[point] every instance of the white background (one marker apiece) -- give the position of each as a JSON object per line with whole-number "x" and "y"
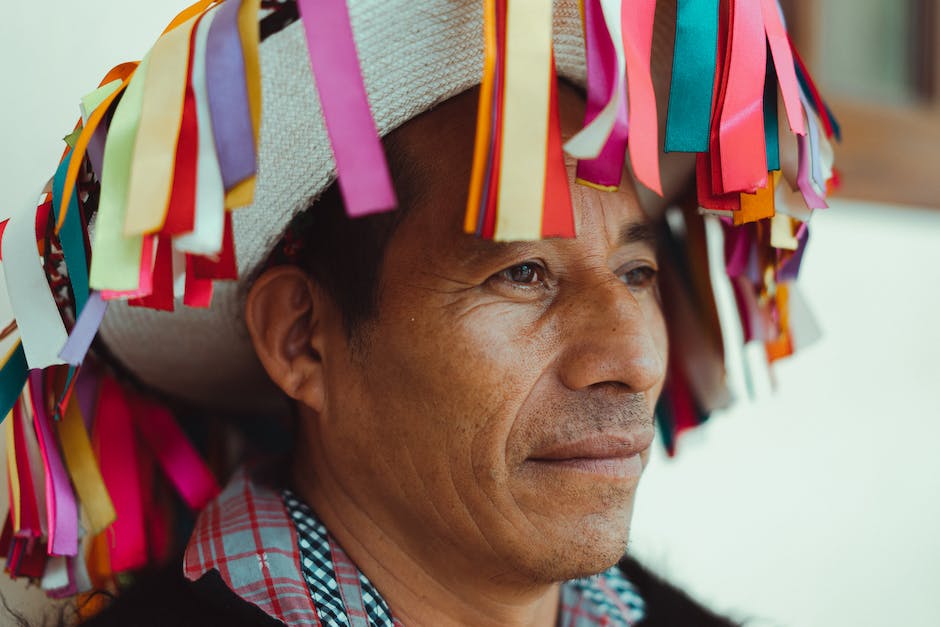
{"x": 816, "y": 505}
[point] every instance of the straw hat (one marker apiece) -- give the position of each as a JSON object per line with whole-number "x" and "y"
{"x": 413, "y": 55}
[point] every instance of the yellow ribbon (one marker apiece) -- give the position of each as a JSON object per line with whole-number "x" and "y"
{"x": 154, "y": 157}
{"x": 13, "y": 476}
{"x": 525, "y": 120}
{"x": 83, "y": 468}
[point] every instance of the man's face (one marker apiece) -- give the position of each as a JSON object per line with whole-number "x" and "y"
{"x": 496, "y": 414}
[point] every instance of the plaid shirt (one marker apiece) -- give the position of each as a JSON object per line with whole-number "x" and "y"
{"x": 273, "y": 552}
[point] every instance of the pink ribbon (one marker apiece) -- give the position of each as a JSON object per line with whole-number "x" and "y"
{"x": 117, "y": 451}
{"x": 176, "y": 455}
{"x": 30, "y": 527}
{"x": 361, "y": 170}
{"x": 607, "y": 168}
{"x": 637, "y": 23}
{"x": 741, "y": 134}
{"x": 783, "y": 63}
{"x": 61, "y": 509}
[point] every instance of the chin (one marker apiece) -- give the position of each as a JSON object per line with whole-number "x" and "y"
{"x": 594, "y": 544}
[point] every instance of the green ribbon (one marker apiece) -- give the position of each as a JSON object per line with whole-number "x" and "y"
{"x": 72, "y": 237}
{"x": 12, "y": 379}
{"x": 693, "y": 76}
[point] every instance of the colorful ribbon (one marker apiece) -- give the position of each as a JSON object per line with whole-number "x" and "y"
{"x": 206, "y": 236}
{"x": 178, "y": 460}
{"x": 228, "y": 97}
{"x": 589, "y": 141}
{"x": 525, "y": 123}
{"x": 693, "y": 76}
{"x": 637, "y": 22}
{"x": 741, "y": 135}
{"x": 37, "y": 315}
{"x": 606, "y": 170}
{"x": 116, "y": 448}
{"x": 783, "y": 62}
{"x": 123, "y": 73}
{"x": 61, "y": 508}
{"x": 84, "y": 471}
{"x": 12, "y": 378}
{"x": 72, "y": 236}
{"x": 84, "y": 331}
{"x": 154, "y": 155}
{"x": 361, "y": 170}
{"x": 115, "y": 265}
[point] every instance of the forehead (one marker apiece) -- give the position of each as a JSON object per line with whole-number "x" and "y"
{"x": 432, "y": 157}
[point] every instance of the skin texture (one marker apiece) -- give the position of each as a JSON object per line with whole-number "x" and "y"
{"x": 445, "y": 444}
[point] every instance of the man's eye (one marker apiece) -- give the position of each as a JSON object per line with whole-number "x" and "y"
{"x": 640, "y": 277}
{"x": 528, "y": 273}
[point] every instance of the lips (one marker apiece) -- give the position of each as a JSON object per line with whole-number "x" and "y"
{"x": 614, "y": 455}
{"x": 598, "y": 446}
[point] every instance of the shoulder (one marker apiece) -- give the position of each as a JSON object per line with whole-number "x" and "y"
{"x": 665, "y": 604}
{"x": 166, "y": 597}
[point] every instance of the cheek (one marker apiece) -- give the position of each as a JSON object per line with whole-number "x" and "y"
{"x": 454, "y": 382}
{"x": 656, "y": 323}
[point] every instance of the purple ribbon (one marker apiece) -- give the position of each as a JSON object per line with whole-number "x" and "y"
{"x": 790, "y": 270}
{"x": 95, "y": 149}
{"x": 85, "y": 330}
{"x": 227, "y": 91}
{"x": 61, "y": 509}
{"x": 86, "y": 393}
{"x": 804, "y": 151}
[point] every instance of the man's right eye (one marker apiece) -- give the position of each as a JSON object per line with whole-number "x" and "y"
{"x": 528, "y": 273}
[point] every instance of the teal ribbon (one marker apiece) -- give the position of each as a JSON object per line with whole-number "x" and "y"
{"x": 72, "y": 237}
{"x": 693, "y": 76}
{"x": 12, "y": 379}
{"x": 771, "y": 121}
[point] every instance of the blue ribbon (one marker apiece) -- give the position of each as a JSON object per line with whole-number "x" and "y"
{"x": 693, "y": 76}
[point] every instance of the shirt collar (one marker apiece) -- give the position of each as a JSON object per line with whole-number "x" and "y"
{"x": 272, "y": 551}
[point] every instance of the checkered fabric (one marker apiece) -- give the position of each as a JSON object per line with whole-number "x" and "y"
{"x": 342, "y": 594}
{"x": 247, "y": 536}
{"x": 272, "y": 550}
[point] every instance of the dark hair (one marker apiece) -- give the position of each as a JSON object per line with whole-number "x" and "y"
{"x": 345, "y": 254}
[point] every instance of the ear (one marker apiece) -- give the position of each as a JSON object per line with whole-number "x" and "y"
{"x": 285, "y": 320}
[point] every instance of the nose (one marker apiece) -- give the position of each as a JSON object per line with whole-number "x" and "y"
{"x": 613, "y": 336}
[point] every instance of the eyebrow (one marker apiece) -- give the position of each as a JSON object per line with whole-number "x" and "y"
{"x": 637, "y": 232}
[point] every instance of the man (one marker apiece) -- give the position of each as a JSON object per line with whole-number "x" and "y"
{"x": 467, "y": 435}
{"x": 472, "y": 416}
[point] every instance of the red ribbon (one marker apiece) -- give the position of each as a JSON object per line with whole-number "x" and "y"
{"x": 741, "y": 134}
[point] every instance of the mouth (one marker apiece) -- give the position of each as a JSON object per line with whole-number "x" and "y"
{"x": 615, "y": 456}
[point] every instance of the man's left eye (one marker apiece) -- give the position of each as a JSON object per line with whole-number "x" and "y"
{"x": 639, "y": 277}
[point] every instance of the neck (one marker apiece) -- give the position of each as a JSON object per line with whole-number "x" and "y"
{"x": 424, "y": 584}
